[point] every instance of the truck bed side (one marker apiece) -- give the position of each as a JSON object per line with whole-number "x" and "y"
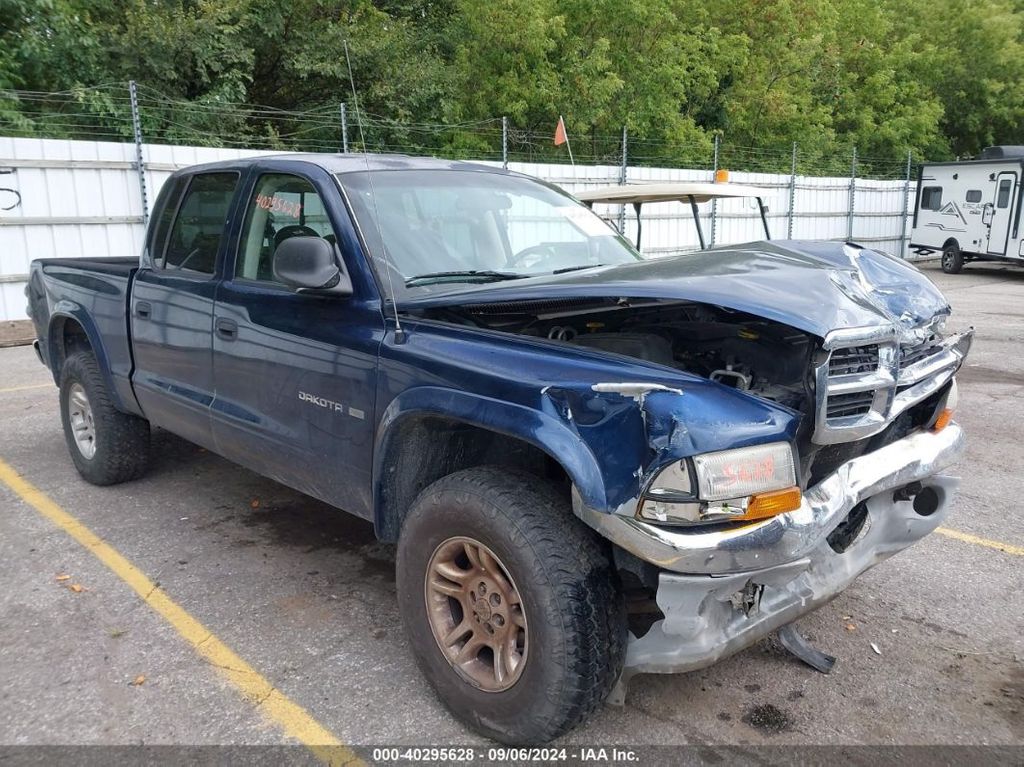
{"x": 79, "y": 303}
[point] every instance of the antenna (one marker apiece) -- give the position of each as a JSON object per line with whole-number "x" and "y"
{"x": 399, "y": 332}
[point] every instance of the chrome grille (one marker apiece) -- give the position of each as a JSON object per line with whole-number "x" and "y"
{"x": 869, "y": 378}
{"x": 854, "y": 359}
{"x": 852, "y": 403}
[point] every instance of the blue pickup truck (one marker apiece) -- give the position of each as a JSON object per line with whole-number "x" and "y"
{"x": 593, "y": 465}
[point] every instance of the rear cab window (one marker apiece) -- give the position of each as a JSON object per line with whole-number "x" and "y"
{"x": 191, "y": 243}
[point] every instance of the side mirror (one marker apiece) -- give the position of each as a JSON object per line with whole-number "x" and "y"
{"x": 310, "y": 264}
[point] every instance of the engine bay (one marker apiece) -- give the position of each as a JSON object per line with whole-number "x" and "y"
{"x": 752, "y": 354}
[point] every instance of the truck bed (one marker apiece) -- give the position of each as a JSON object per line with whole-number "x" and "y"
{"x": 85, "y": 295}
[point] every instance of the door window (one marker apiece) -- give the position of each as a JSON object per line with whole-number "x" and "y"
{"x": 282, "y": 206}
{"x": 195, "y": 237}
{"x": 1003, "y": 198}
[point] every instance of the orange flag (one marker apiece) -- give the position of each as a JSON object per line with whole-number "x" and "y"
{"x": 560, "y": 137}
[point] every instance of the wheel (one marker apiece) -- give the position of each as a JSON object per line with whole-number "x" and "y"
{"x": 952, "y": 259}
{"x": 106, "y": 445}
{"x": 513, "y": 611}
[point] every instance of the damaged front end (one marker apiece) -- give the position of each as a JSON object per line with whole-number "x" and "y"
{"x": 800, "y": 441}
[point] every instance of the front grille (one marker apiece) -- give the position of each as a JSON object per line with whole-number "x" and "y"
{"x": 852, "y": 360}
{"x": 864, "y": 386}
{"x": 851, "y": 404}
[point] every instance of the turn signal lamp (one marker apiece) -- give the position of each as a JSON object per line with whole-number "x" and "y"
{"x": 764, "y": 505}
{"x": 946, "y": 415}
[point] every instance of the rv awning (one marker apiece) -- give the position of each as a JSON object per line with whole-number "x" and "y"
{"x": 631, "y": 194}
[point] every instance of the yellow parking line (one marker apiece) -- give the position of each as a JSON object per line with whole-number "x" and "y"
{"x": 275, "y": 705}
{"x": 27, "y": 388}
{"x": 1017, "y": 551}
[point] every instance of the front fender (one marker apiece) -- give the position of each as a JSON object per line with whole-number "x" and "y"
{"x": 537, "y": 428}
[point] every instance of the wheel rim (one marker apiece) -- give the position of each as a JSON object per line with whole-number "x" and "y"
{"x": 947, "y": 259}
{"x": 476, "y": 614}
{"x": 80, "y": 416}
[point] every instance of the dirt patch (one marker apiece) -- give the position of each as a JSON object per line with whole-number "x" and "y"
{"x": 768, "y": 718}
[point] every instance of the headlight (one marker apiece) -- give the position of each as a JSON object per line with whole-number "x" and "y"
{"x": 731, "y": 485}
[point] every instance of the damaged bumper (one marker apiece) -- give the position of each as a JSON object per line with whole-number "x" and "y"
{"x": 721, "y": 591}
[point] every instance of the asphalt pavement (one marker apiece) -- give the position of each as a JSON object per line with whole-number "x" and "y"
{"x": 930, "y": 644}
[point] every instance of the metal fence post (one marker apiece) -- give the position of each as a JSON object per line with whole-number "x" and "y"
{"x": 504, "y": 142}
{"x": 714, "y": 203}
{"x": 853, "y": 195}
{"x": 622, "y": 177}
{"x": 139, "y": 163}
{"x": 344, "y": 129}
{"x": 906, "y": 209}
{"x": 792, "y": 195}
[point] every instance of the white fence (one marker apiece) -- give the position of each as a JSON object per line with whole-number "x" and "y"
{"x": 82, "y": 198}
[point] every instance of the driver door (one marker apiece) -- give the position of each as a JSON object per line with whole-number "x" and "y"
{"x": 295, "y": 374}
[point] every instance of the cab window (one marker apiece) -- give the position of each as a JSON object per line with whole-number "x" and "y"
{"x": 194, "y": 239}
{"x": 281, "y": 206}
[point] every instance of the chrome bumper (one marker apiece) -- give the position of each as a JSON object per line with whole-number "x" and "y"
{"x": 787, "y": 537}
{"x": 743, "y": 584}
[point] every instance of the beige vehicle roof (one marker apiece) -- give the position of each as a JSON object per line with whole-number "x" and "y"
{"x": 669, "y": 192}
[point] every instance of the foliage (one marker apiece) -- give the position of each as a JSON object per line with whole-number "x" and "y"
{"x": 939, "y": 78}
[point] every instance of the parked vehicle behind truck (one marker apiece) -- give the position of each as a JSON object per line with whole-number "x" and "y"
{"x": 970, "y": 210}
{"x": 593, "y": 465}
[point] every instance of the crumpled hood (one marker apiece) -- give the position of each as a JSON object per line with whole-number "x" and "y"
{"x": 816, "y": 287}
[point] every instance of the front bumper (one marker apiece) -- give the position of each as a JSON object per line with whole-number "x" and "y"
{"x": 786, "y": 562}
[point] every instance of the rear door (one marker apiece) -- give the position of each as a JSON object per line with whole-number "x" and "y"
{"x": 172, "y": 303}
{"x": 295, "y": 374}
{"x": 1002, "y": 212}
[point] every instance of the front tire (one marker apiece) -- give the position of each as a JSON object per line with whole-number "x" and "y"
{"x": 106, "y": 445}
{"x": 952, "y": 259}
{"x": 511, "y": 605}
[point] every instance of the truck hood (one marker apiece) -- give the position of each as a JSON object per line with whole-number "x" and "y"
{"x": 816, "y": 287}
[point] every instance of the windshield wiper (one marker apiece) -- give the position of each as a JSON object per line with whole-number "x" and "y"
{"x": 576, "y": 268}
{"x": 471, "y": 275}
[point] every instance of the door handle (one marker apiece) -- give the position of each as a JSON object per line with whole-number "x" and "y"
{"x": 143, "y": 309}
{"x": 226, "y": 328}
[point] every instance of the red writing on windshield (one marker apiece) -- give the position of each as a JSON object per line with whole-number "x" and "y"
{"x": 277, "y": 204}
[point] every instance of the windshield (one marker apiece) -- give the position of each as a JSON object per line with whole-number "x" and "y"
{"x": 450, "y": 230}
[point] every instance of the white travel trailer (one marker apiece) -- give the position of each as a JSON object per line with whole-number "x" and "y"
{"x": 970, "y": 210}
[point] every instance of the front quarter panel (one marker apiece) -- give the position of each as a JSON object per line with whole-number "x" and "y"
{"x": 543, "y": 393}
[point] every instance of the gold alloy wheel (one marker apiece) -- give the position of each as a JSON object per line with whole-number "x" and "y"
{"x": 476, "y": 614}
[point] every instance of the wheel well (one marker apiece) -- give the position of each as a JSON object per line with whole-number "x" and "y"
{"x": 68, "y": 337}
{"x": 421, "y": 450}
{"x": 951, "y": 241}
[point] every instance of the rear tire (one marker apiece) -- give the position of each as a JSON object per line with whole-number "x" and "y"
{"x": 570, "y": 646}
{"x": 952, "y": 259}
{"x": 106, "y": 445}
